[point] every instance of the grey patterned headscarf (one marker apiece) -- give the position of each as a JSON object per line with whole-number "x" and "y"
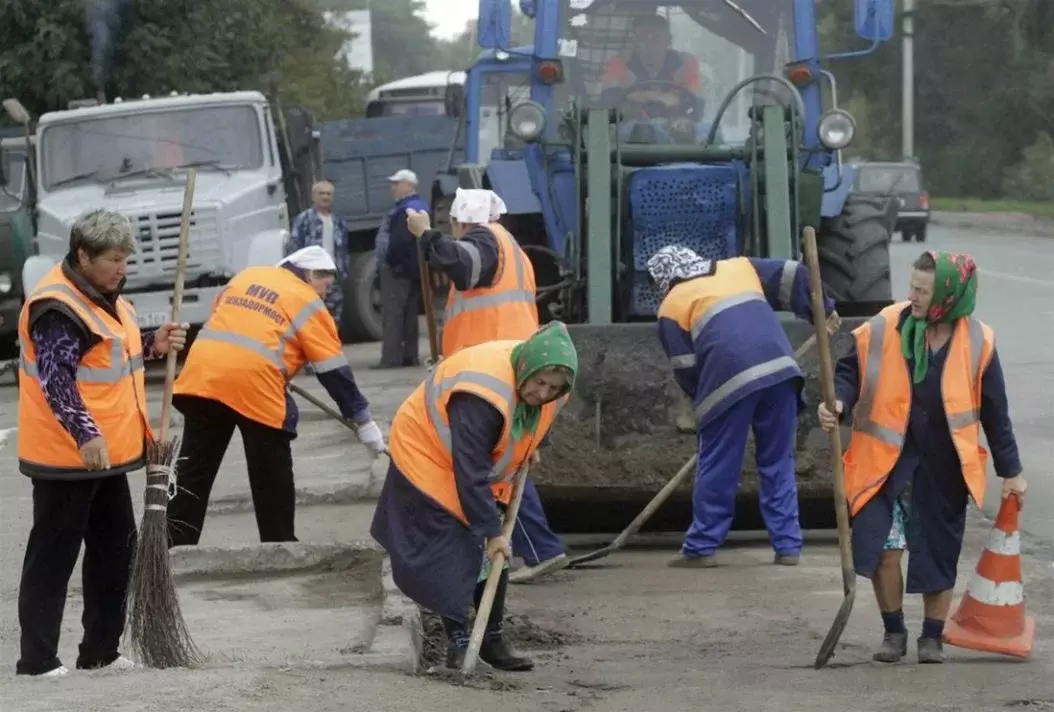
{"x": 675, "y": 263}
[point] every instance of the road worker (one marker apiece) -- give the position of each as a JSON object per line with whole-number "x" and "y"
{"x": 82, "y": 426}
{"x": 267, "y": 323}
{"x": 492, "y": 297}
{"x": 915, "y": 456}
{"x": 731, "y": 356}
{"x": 456, "y": 444}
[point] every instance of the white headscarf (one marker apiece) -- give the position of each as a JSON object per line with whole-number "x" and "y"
{"x": 313, "y": 257}
{"x": 477, "y": 207}
{"x": 676, "y": 263}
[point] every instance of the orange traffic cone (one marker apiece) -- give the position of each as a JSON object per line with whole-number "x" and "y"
{"x": 991, "y": 616}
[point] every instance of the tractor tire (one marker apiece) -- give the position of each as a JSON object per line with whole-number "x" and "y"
{"x": 854, "y": 255}
{"x": 361, "y": 318}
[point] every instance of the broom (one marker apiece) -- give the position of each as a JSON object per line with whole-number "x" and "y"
{"x": 159, "y": 635}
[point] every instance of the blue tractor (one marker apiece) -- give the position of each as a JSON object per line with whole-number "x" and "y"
{"x": 630, "y": 125}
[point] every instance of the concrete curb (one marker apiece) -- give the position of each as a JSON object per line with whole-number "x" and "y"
{"x": 305, "y": 496}
{"x": 1018, "y": 223}
{"x": 398, "y": 639}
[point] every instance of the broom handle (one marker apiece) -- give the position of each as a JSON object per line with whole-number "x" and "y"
{"x": 486, "y": 602}
{"x": 177, "y": 299}
{"x": 428, "y": 300}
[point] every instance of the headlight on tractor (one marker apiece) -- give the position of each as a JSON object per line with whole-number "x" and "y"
{"x": 837, "y": 129}
{"x": 5, "y": 282}
{"x": 527, "y": 121}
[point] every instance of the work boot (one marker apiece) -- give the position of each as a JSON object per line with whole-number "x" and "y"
{"x": 500, "y": 655}
{"x": 455, "y": 654}
{"x": 542, "y": 567}
{"x": 931, "y": 651}
{"x": 894, "y": 647}
{"x": 692, "y": 562}
{"x": 786, "y": 559}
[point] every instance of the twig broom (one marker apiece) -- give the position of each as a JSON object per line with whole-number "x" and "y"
{"x": 159, "y": 635}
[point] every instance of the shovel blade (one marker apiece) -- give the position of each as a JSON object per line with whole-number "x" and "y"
{"x": 835, "y": 633}
{"x": 590, "y": 556}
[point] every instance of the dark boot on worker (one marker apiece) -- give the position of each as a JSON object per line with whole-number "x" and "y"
{"x": 786, "y": 559}
{"x": 692, "y": 562}
{"x": 931, "y": 651}
{"x": 495, "y": 651}
{"x": 457, "y": 643}
{"x": 893, "y": 648}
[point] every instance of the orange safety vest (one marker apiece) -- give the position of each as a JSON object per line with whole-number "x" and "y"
{"x": 421, "y": 444}
{"x": 110, "y": 380}
{"x": 504, "y": 310}
{"x": 880, "y": 418}
{"x": 617, "y": 73}
{"x": 266, "y": 325}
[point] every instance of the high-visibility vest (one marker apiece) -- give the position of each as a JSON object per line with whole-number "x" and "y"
{"x": 880, "y": 418}
{"x": 688, "y": 73}
{"x": 504, "y": 310}
{"x": 110, "y": 380}
{"x": 420, "y": 439}
{"x": 266, "y": 325}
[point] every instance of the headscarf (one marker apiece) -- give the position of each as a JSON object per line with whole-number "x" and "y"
{"x": 477, "y": 207}
{"x": 675, "y": 263}
{"x": 312, "y": 257}
{"x": 954, "y": 297}
{"x": 549, "y": 346}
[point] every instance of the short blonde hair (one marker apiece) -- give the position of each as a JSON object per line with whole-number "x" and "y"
{"x": 100, "y": 231}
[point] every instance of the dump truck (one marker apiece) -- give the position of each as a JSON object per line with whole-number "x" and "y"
{"x": 132, "y": 155}
{"x": 598, "y": 178}
{"x": 16, "y": 236}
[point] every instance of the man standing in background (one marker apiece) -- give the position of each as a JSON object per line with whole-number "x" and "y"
{"x": 400, "y": 275}
{"x": 319, "y": 226}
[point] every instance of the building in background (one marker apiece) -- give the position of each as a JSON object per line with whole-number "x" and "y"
{"x": 358, "y": 50}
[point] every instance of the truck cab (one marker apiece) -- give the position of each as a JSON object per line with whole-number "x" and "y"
{"x": 16, "y": 238}
{"x": 133, "y": 156}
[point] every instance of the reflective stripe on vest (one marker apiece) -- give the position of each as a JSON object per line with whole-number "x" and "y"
{"x": 121, "y": 365}
{"x": 863, "y": 420}
{"x": 462, "y": 303}
{"x": 276, "y": 356}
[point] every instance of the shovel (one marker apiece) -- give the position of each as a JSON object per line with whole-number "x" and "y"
{"x": 659, "y": 499}
{"x": 331, "y": 412}
{"x": 486, "y": 602}
{"x": 841, "y": 505}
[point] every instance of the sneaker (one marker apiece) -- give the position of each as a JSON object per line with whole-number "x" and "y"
{"x": 894, "y": 647}
{"x": 692, "y": 562}
{"x": 57, "y": 672}
{"x": 786, "y": 559}
{"x": 526, "y": 573}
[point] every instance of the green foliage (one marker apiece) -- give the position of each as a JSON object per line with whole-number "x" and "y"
{"x": 1033, "y": 177}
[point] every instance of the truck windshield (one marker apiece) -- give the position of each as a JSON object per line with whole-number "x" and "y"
{"x": 108, "y": 147}
{"x": 661, "y": 62}
{"x": 11, "y": 195}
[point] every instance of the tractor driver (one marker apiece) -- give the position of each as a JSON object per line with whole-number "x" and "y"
{"x": 650, "y": 64}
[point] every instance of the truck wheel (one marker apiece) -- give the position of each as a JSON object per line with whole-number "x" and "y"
{"x": 361, "y": 318}
{"x": 854, "y": 255}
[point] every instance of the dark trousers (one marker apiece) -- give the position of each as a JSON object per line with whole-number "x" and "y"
{"x": 99, "y": 513}
{"x": 207, "y": 431}
{"x": 400, "y": 299}
{"x": 458, "y": 634}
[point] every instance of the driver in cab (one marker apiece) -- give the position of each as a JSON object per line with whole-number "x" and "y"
{"x": 651, "y": 61}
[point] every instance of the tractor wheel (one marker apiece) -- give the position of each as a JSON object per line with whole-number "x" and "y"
{"x": 361, "y": 319}
{"x": 854, "y": 255}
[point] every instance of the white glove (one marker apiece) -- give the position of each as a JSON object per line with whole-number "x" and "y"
{"x": 371, "y": 437}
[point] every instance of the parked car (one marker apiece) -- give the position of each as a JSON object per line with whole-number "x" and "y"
{"x": 902, "y": 181}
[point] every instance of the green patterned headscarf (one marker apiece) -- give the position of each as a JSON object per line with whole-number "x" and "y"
{"x": 954, "y": 297}
{"x": 549, "y": 346}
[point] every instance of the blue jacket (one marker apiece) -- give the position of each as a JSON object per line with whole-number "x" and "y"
{"x": 722, "y": 335}
{"x": 401, "y": 253}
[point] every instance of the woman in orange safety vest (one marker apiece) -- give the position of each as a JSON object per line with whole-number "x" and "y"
{"x": 921, "y": 380}
{"x": 456, "y": 444}
{"x": 82, "y": 426}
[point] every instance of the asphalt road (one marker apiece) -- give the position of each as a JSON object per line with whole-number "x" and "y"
{"x": 1016, "y": 298}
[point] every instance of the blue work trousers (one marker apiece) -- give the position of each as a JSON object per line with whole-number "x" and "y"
{"x": 532, "y": 538}
{"x": 773, "y": 415}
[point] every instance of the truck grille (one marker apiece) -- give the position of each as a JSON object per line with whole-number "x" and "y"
{"x": 157, "y": 246}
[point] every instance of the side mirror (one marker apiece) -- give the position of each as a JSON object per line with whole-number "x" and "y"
{"x": 454, "y": 100}
{"x": 873, "y": 19}
{"x": 494, "y": 27}
{"x": 16, "y": 111}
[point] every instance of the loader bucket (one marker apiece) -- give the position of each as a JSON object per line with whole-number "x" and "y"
{"x": 628, "y": 429}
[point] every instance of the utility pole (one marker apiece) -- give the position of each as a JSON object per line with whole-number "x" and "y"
{"x": 908, "y": 81}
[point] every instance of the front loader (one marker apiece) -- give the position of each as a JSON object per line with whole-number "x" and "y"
{"x": 598, "y": 178}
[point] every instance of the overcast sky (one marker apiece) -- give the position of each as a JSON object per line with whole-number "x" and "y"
{"x": 449, "y": 16}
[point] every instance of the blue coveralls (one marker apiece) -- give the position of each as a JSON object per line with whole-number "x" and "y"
{"x": 734, "y": 360}
{"x": 532, "y": 538}
{"x": 928, "y": 475}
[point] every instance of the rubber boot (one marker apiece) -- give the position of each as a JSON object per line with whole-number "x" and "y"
{"x": 457, "y": 643}
{"x": 894, "y": 647}
{"x": 931, "y": 651}
{"x": 495, "y": 651}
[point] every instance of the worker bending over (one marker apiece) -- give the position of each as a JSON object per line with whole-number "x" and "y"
{"x": 456, "y": 445}
{"x": 731, "y": 356}
{"x": 493, "y": 297}
{"x": 267, "y": 323}
{"x": 921, "y": 379}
